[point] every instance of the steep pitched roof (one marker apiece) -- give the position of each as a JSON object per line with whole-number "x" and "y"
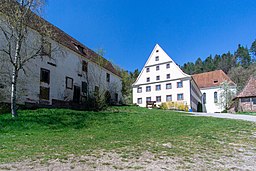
{"x": 250, "y": 89}
{"x": 163, "y": 58}
{"x": 212, "y": 79}
{"x": 39, "y": 24}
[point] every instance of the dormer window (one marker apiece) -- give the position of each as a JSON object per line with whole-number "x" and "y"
{"x": 80, "y": 48}
{"x": 157, "y": 58}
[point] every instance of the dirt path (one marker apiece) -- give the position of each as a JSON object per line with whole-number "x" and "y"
{"x": 239, "y": 159}
{"x": 228, "y": 116}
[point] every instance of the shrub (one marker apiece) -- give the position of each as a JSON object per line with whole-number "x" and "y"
{"x": 174, "y": 105}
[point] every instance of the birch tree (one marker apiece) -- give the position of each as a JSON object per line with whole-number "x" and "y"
{"x": 17, "y": 47}
{"x": 226, "y": 95}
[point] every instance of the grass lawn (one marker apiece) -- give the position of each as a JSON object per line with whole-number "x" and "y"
{"x": 247, "y": 113}
{"x": 57, "y": 133}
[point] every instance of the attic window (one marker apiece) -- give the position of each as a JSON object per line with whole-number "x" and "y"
{"x": 80, "y": 48}
{"x": 157, "y": 51}
{"x": 215, "y": 81}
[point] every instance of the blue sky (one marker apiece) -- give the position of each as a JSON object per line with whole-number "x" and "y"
{"x": 129, "y": 29}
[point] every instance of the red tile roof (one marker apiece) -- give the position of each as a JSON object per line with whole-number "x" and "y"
{"x": 39, "y": 24}
{"x": 249, "y": 90}
{"x": 211, "y": 79}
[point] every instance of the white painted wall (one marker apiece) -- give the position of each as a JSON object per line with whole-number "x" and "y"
{"x": 176, "y": 75}
{"x": 68, "y": 64}
{"x": 210, "y": 105}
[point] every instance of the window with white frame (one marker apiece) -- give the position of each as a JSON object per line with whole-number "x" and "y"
{"x": 148, "y": 88}
{"x": 139, "y": 90}
{"x": 157, "y": 67}
{"x": 148, "y": 79}
{"x": 158, "y": 77}
{"x": 215, "y": 97}
{"x": 158, "y": 87}
{"x": 180, "y": 96}
{"x": 179, "y": 84}
{"x": 168, "y": 76}
{"x": 169, "y": 98}
{"x": 157, "y": 58}
{"x": 139, "y": 100}
{"x": 169, "y": 86}
{"x": 204, "y": 98}
{"x": 158, "y": 98}
{"x": 167, "y": 66}
{"x": 148, "y": 69}
{"x": 148, "y": 99}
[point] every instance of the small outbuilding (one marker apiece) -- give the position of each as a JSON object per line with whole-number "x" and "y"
{"x": 246, "y": 100}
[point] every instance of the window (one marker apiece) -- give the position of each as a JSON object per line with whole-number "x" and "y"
{"x": 148, "y": 79}
{"x": 245, "y": 100}
{"x": 108, "y": 77}
{"x": 169, "y": 86}
{"x": 158, "y": 98}
{"x": 167, "y": 66}
{"x": 157, "y": 58}
{"x": 2, "y": 86}
{"x": 69, "y": 83}
{"x": 169, "y": 98}
{"x": 84, "y": 87}
{"x": 157, "y": 77}
{"x": 45, "y": 76}
{"x": 116, "y": 97}
{"x": 179, "y": 84}
{"x": 148, "y": 69}
{"x": 80, "y": 48}
{"x": 46, "y": 48}
{"x": 158, "y": 87}
{"x": 180, "y": 96}
{"x": 148, "y": 99}
{"x": 215, "y": 97}
{"x": 139, "y": 100}
{"x": 157, "y": 68}
{"x": 157, "y": 51}
{"x": 84, "y": 66}
{"x": 168, "y": 76}
{"x": 215, "y": 81}
{"x": 44, "y": 93}
{"x": 139, "y": 90}
{"x": 204, "y": 98}
{"x": 254, "y": 100}
{"x": 148, "y": 88}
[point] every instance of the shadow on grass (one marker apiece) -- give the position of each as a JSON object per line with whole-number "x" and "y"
{"x": 51, "y": 119}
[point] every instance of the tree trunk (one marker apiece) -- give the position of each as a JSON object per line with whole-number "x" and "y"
{"x": 13, "y": 93}
{"x": 14, "y": 80}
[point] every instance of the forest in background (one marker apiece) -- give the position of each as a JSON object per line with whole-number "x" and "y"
{"x": 239, "y": 66}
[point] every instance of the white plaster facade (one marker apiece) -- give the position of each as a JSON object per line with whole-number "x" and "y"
{"x": 212, "y": 100}
{"x": 64, "y": 63}
{"x": 161, "y": 70}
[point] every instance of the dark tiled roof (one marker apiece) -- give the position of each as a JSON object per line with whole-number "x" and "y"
{"x": 212, "y": 79}
{"x": 250, "y": 89}
{"x": 39, "y": 24}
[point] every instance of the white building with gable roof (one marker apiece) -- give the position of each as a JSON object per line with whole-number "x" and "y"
{"x": 162, "y": 80}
